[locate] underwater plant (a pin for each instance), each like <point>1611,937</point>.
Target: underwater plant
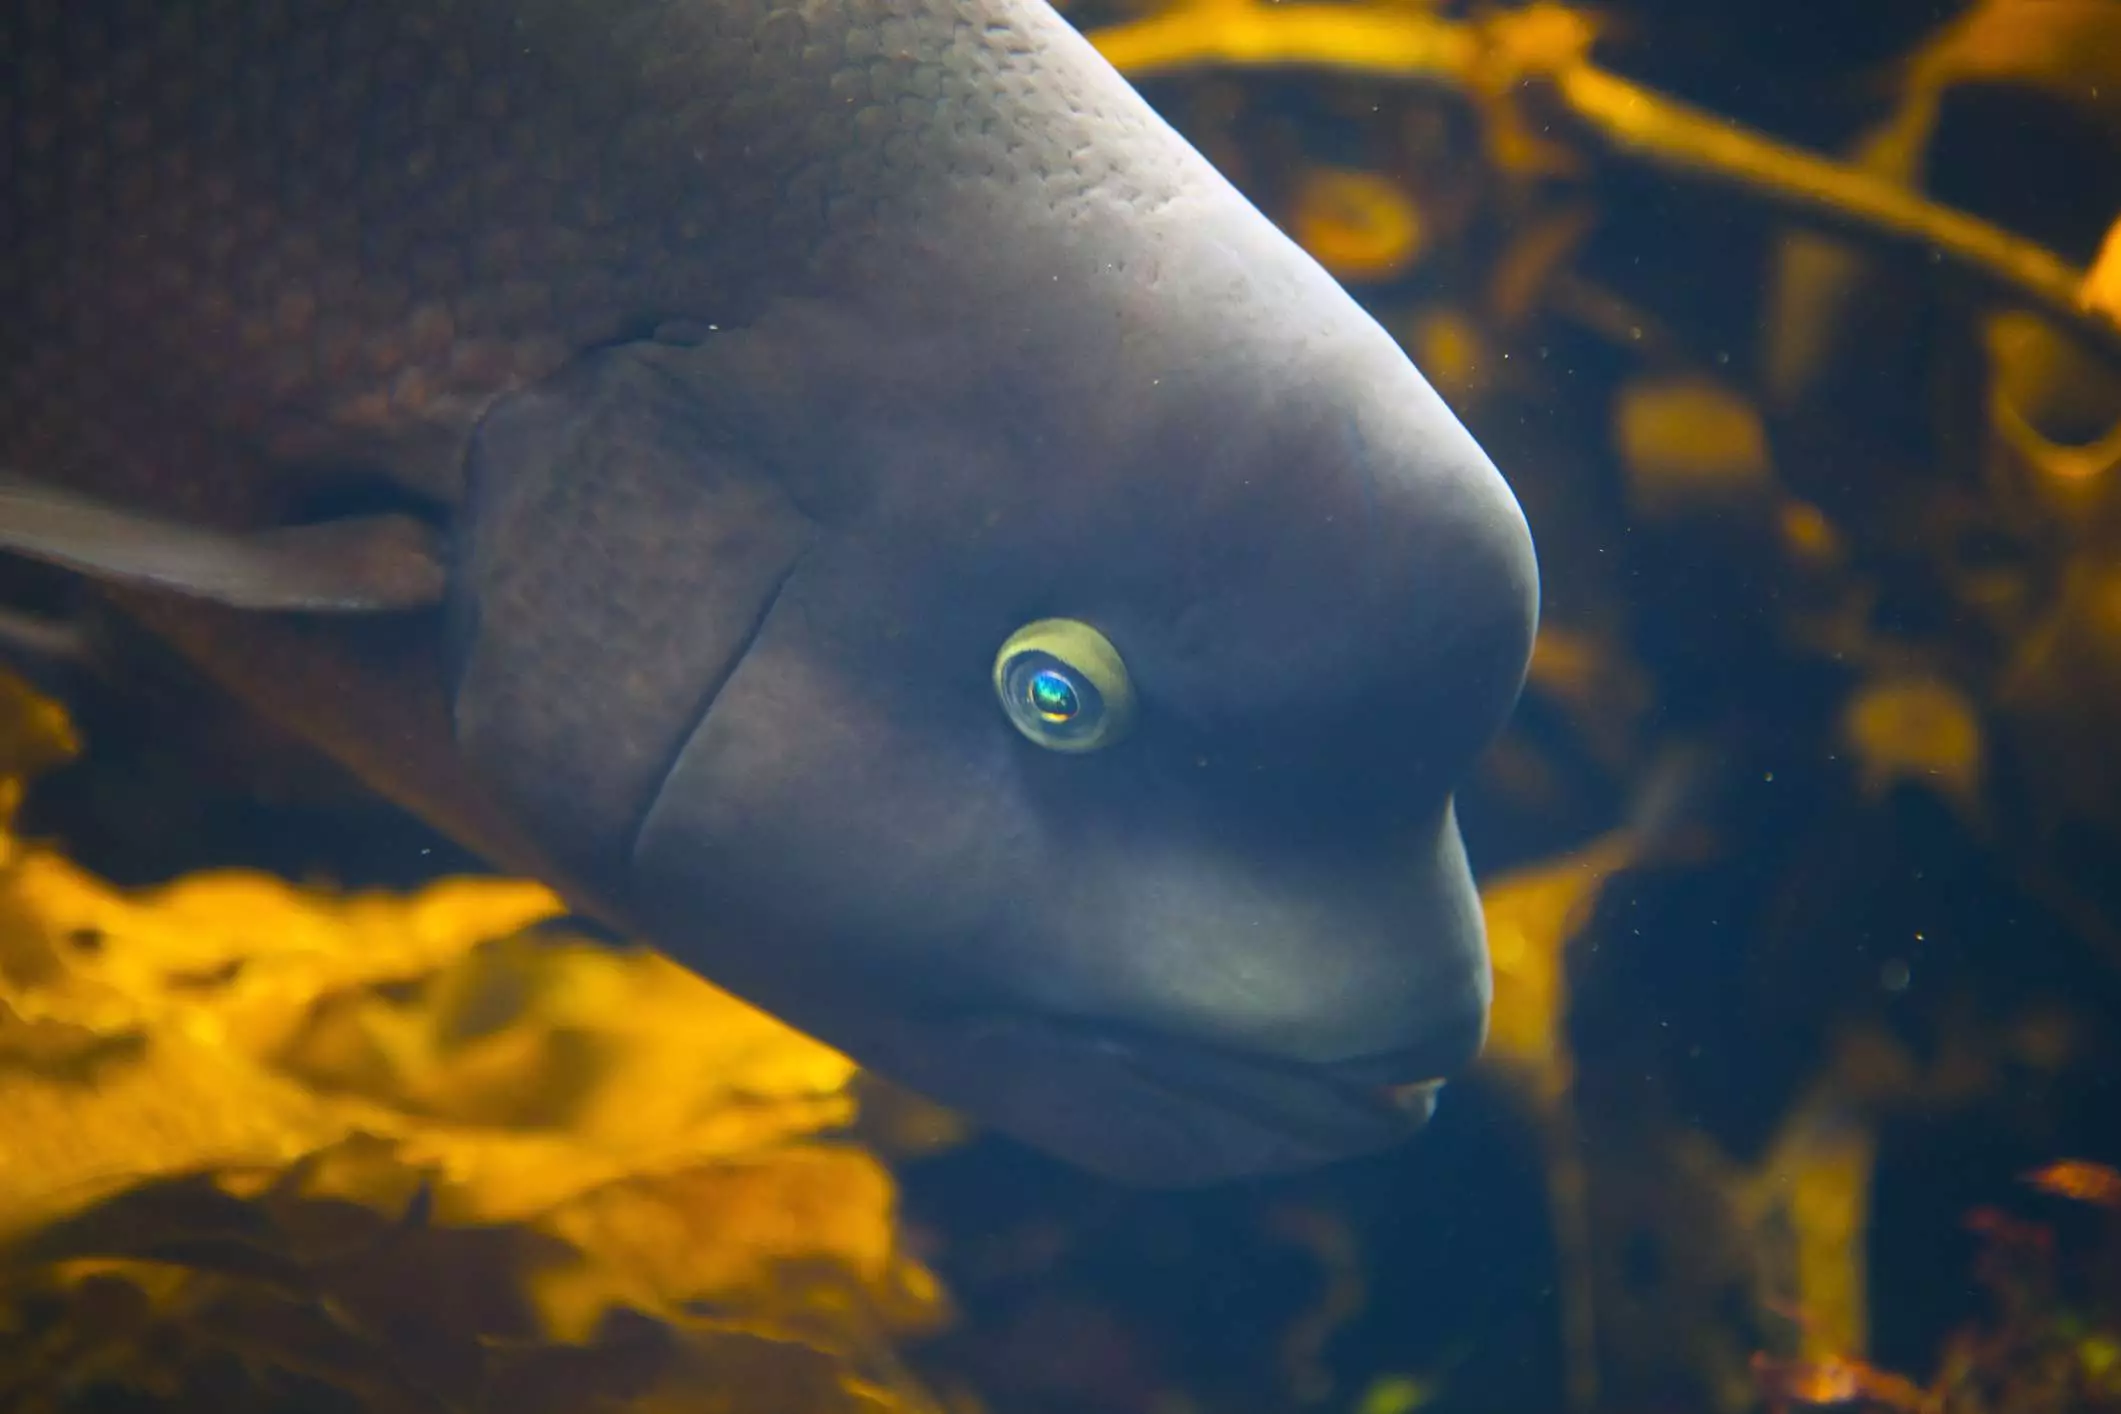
<point>1803,349</point>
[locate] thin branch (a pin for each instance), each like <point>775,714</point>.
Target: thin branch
<point>1623,119</point>
<point>1633,122</point>
<point>1245,34</point>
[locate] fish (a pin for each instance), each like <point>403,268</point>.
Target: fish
<point>843,490</point>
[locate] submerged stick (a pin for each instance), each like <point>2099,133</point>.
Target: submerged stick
<point>1633,122</point>
<point>1540,53</point>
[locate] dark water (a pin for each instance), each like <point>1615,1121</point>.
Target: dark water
<point>1974,939</point>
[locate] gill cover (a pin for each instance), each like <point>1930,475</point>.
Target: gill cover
<point>615,555</point>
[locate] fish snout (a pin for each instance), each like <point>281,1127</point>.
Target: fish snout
<point>1236,1019</point>
<point>1467,606</point>
<point>1410,1079</point>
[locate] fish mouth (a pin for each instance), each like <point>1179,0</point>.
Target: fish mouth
<point>1162,1112</point>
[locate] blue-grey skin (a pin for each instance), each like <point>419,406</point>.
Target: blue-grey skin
<point>770,365</point>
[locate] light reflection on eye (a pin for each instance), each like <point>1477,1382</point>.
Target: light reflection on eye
<point>1063,686</point>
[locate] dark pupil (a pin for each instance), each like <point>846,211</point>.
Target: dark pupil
<point>1053,697</point>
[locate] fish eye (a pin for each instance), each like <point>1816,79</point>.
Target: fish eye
<point>1063,685</point>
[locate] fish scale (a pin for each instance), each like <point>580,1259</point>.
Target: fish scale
<point>763,370</point>
<point>332,234</point>
<point>252,250</point>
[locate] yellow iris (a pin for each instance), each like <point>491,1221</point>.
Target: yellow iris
<point>1063,686</point>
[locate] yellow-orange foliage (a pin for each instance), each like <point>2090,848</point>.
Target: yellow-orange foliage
<point>1359,225</point>
<point>592,1136</point>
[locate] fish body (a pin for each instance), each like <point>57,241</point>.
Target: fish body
<point>767,370</point>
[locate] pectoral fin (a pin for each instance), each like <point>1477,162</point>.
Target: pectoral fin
<point>361,564</point>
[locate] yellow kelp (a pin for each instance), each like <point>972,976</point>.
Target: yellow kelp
<point>1359,225</point>
<point>260,1137</point>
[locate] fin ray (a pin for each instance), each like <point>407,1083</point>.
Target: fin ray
<point>363,564</point>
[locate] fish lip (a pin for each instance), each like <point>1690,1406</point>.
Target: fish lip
<point>1307,1100</point>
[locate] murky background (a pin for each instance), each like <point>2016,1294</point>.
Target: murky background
<point>1798,332</point>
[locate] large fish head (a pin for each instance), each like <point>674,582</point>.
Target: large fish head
<point>1077,627</point>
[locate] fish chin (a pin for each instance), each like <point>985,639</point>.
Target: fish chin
<point>1155,1112</point>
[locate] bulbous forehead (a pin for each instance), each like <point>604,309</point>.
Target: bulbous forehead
<point>1312,522</point>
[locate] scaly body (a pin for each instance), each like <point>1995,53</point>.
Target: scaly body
<point>768,366</point>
